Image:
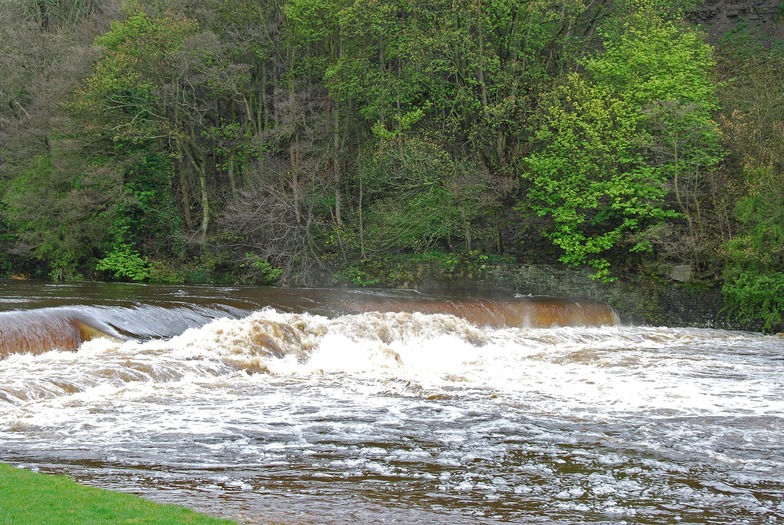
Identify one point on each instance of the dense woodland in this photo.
(265, 141)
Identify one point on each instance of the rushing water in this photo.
(324, 407)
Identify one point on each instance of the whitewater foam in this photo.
(420, 411)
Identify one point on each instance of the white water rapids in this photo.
(414, 418)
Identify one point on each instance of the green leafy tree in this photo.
(125, 262)
(167, 97)
(491, 57)
(375, 70)
(122, 97)
(593, 171)
(463, 72)
(590, 175)
(754, 279)
(665, 68)
(460, 75)
(126, 114)
(753, 285)
(316, 32)
(417, 197)
(59, 208)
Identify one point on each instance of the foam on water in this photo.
(423, 412)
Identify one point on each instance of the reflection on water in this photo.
(405, 417)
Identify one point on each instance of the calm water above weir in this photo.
(322, 406)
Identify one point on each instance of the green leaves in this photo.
(143, 37)
(122, 99)
(756, 297)
(410, 206)
(58, 208)
(124, 262)
(754, 277)
(656, 59)
(589, 175)
(592, 171)
(753, 286)
(258, 270)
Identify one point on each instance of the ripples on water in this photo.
(414, 418)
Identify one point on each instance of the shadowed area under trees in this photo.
(313, 141)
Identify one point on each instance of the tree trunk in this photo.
(186, 198)
(201, 170)
(361, 220)
(294, 166)
(466, 228)
(336, 146)
(205, 205)
(231, 172)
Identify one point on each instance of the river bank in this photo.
(32, 498)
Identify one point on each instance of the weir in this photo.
(524, 312)
(65, 328)
(43, 330)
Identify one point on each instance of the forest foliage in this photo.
(293, 141)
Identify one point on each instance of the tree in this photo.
(165, 87)
(611, 140)
(51, 193)
(754, 278)
(753, 285)
(59, 208)
(665, 68)
(270, 233)
(54, 14)
(315, 27)
(590, 176)
(40, 69)
(407, 195)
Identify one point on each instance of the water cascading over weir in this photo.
(525, 312)
(36, 331)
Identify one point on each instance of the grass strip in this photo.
(35, 499)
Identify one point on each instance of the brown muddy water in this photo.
(328, 406)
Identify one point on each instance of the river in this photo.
(328, 406)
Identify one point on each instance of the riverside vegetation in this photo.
(293, 141)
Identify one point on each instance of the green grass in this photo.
(36, 499)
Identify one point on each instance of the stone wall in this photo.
(650, 302)
(653, 301)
